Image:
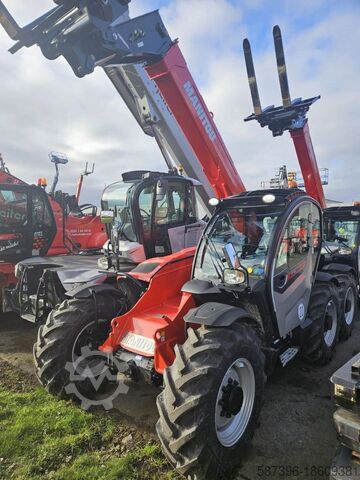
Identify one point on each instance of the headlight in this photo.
(104, 263)
(233, 277)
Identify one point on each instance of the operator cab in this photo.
(342, 234)
(265, 243)
(27, 224)
(154, 214)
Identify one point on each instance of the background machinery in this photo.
(292, 116)
(345, 383)
(35, 224)
(257, 290)
(342, 251)
(291, 179)
(341, 246)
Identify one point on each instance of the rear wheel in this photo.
(69, 329)
(348, 305)
(211, 401)
(323, 311)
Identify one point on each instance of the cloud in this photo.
(45, 107)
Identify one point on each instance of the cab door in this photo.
(27, 226)
(42, 222)
(175, 225)
(357, 246)
(294, 265)
(167, 216)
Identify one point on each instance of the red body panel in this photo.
(7, 278)
(7, 275)
(179, 90)
(86, 232)
(159, 313)
(307, 161)
(6, 177)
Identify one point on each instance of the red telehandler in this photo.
(208, 327)
(38, 224)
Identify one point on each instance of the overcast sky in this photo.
(44, 107)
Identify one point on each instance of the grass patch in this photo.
(44, 438)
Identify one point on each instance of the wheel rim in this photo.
(85, 338)
(237, 395)
(349, 306)
(330, 323)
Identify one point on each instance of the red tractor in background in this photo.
(34, 223)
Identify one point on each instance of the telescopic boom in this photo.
(170, 108)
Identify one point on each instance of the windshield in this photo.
(116, 197)
(342, 231)
(248, 229)
(13, 210)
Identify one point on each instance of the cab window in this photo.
(300, 234)
(13, 209)
(191, 207)
(41, 215)
(342, 231)
(146, 199)
(171, 208)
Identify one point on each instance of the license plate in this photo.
(138, 342)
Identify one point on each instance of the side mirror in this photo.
(107, 217)
(160, 190)
(233, 277)
(230, 255)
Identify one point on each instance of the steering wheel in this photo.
(146, 213)
(85, 206)
(245, 249)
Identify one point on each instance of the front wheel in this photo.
(211, 401)
(69, 329)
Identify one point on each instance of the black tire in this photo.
(56, 340)
(187, 405)
(324, 308)
(348, 305)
